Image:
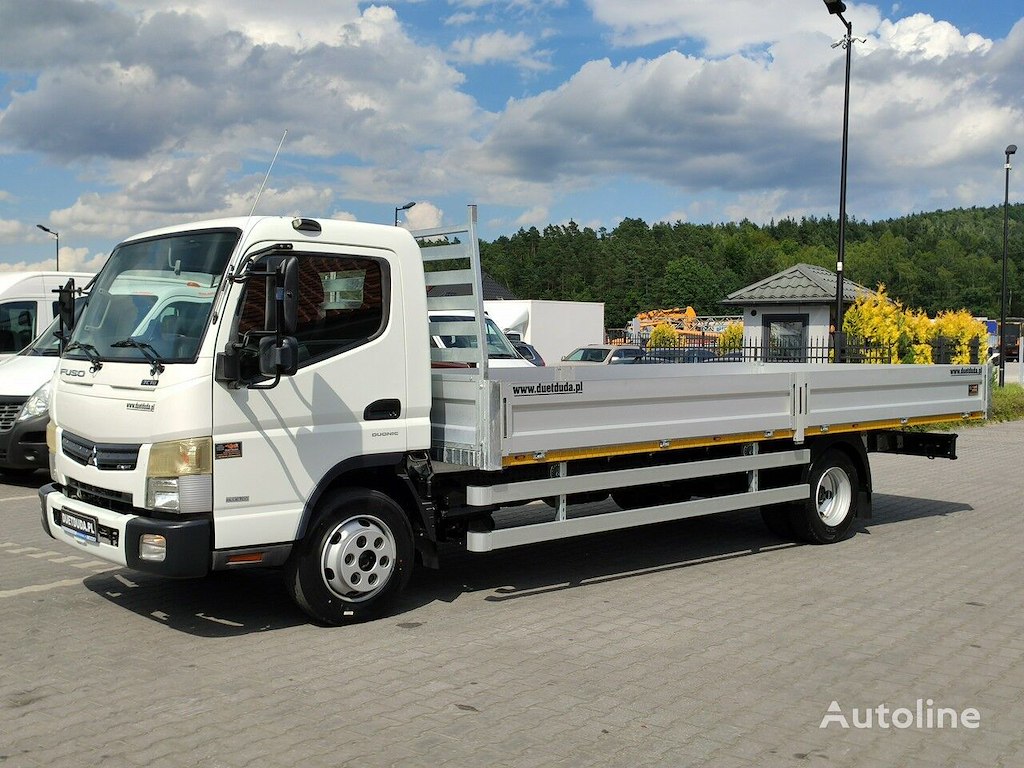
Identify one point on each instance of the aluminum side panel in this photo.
(851, 394)
(622, 405)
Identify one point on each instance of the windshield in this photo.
(587, 355)
(153, 298)
(498, 345)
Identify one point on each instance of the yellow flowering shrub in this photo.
(732, 336)
(959, 329)
(877, 319)
(663, 335)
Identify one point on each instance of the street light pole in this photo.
(836, 8)
(1010, 150)
(405, 207)
(57, 236)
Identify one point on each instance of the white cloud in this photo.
(12, 231)
(539, 216)
(499, 47)
(460, 18)
(528, 5)
(71, 260)
(423, 215)
(920, 36)
(723, 26)
(299, 23)
(168, 117)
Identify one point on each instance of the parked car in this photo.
(603, 354)
(681, 355)
(527, 351)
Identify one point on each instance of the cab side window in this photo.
(17, 325)
(342, 305)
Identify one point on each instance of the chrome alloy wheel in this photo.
(358, 558)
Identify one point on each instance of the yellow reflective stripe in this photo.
(657, 446)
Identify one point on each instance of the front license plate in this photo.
(80, 526)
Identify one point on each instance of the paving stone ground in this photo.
(702, 642)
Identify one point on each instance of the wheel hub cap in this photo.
(358, 558)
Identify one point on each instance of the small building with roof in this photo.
(791, 310)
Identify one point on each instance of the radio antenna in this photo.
(265, 178)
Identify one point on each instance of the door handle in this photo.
(383, 410)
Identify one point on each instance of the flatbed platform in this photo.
(508, 417)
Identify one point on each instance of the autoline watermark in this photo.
(923, 715)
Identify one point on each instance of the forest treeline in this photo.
(943, 260)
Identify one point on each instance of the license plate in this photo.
(80, 526)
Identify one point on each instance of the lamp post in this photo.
(1012, 149)
(405, 207)
(836, 8)
(57, 236)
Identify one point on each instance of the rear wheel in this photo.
(355, 559)
(829, 512)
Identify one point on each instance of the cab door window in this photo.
(343, 304)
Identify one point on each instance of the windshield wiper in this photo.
(90, 352)
(148, 351)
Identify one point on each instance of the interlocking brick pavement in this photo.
(702, 642)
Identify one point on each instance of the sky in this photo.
(119, 116)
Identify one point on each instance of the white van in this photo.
(500, 352)
(24, 392)
(28, 304)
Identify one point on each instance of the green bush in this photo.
(1007, 403)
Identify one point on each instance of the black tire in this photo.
(828, 514)
(355, 560)
(777, 520)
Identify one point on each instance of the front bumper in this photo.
(23, 446)
(116, 537)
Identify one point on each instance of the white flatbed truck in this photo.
(302, 420)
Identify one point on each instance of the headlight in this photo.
(179, 476)
(176, 458)
(37, 405)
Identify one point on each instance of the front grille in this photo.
(9, 409)
(115, 501)
(119, 457)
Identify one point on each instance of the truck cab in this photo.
(166, 425)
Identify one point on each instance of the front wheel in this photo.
(354, 561)
(828, 514)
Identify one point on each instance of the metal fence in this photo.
(826, 350)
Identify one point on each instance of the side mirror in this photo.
(278, 359)
(66, 304)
